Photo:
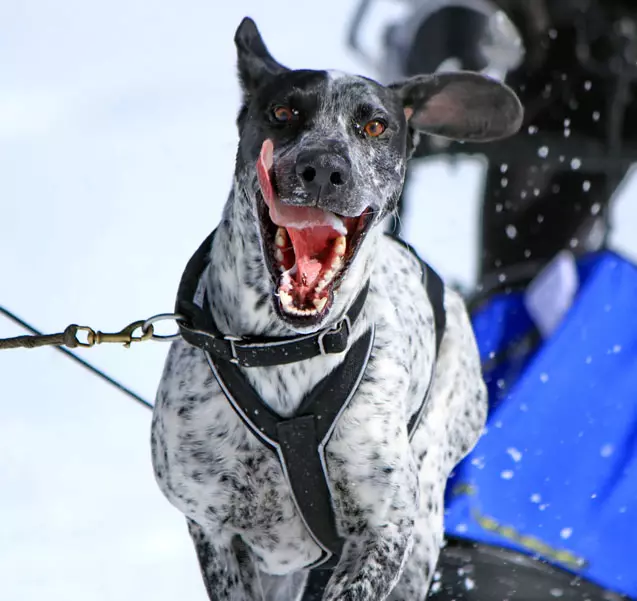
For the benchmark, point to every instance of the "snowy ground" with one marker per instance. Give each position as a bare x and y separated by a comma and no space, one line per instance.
116,150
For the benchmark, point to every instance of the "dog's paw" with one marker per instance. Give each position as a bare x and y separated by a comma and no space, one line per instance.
349,591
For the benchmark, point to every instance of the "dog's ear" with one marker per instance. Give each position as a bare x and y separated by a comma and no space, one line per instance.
255,63
461,106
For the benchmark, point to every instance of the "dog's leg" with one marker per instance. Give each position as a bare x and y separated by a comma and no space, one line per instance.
449,430
428,536
228,572
372,563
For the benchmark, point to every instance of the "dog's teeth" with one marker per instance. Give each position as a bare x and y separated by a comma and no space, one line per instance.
337,264
340,245
286,299
328,276
281,237
320,303
278,255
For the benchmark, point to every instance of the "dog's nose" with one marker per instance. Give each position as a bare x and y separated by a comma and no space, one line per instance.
322,172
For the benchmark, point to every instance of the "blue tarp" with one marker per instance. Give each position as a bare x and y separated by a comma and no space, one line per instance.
555,474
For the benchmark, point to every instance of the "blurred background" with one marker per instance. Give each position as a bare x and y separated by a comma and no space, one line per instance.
117,143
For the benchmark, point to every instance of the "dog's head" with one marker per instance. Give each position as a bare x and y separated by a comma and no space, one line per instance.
322,157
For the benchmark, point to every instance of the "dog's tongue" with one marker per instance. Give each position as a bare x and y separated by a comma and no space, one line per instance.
311,248
311,230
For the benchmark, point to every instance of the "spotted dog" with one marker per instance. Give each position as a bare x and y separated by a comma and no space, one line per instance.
298,258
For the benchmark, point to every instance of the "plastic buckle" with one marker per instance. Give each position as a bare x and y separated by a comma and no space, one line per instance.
337,329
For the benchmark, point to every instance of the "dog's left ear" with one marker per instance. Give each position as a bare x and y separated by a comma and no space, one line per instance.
255,63
462,106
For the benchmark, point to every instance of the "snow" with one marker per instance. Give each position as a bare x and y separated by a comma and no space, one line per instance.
117,143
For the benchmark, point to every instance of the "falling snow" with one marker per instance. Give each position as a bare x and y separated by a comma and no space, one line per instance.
556,592
478,462
566,533
506,474
544,377
515,454
543,152
535,498
576,164
607,450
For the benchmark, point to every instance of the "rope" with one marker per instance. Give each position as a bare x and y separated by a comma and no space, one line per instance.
66,338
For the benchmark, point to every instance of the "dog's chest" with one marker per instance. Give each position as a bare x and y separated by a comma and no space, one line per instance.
216,472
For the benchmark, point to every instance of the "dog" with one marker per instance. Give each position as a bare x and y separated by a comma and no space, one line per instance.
320,166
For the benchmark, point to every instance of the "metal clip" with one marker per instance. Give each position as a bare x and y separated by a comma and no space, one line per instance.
233,349
124,336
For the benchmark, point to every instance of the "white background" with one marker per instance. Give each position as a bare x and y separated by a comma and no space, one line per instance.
117,144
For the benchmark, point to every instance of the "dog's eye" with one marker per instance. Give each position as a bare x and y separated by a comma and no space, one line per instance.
374,128
283,114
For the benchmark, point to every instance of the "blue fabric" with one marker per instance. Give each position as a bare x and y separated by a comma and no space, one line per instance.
555,474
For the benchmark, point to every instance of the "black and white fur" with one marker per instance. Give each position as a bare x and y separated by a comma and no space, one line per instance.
388,491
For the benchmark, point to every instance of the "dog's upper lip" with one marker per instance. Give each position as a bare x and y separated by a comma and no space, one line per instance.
286,215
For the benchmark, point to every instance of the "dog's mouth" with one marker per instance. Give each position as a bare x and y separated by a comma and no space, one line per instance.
307,249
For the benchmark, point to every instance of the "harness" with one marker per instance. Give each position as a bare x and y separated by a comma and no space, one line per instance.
298,441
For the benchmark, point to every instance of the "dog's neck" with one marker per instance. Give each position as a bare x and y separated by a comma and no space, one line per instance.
239,284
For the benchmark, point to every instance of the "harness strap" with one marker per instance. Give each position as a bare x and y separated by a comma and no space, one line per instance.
255,351
436,293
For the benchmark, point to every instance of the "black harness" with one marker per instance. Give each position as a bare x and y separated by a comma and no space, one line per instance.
299,441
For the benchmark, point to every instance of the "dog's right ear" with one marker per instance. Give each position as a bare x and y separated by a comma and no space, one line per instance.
255,63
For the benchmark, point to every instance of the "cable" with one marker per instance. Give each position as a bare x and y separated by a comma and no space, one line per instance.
13,317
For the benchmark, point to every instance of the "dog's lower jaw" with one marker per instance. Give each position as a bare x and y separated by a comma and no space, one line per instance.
239,277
